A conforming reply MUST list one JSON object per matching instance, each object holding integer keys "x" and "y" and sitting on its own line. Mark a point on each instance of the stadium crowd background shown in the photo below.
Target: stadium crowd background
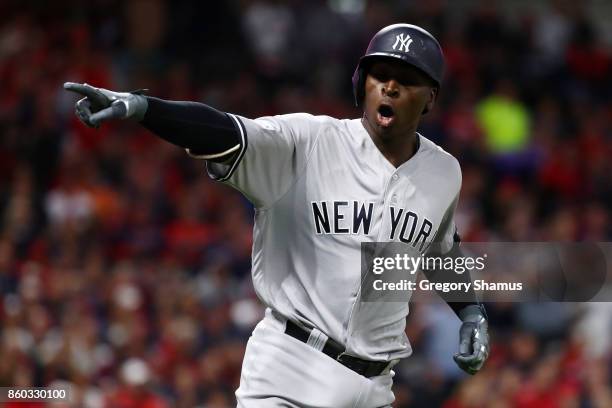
{"x": 125, "y": 271}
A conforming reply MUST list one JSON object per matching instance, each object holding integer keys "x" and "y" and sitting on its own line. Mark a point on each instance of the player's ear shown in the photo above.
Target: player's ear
{"x": 433, "y": 95}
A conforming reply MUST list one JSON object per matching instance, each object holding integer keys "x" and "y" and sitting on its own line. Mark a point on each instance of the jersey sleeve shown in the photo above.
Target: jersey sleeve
{"x": 274, "y": 151}
{"x": 447, "y": 235}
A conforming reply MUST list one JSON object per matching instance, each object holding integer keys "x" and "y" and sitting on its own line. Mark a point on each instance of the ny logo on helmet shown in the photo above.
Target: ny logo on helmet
{"x": 403, "y": 42}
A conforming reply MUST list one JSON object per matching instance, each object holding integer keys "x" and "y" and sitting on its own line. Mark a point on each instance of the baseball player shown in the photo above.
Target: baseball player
{"x": 321, "y": 186}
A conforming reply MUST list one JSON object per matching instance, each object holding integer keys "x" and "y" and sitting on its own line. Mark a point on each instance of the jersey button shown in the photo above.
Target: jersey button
{"x": 395, "y": 177}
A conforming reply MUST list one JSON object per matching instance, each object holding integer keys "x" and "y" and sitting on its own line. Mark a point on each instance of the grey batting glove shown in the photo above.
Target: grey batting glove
{"x": 473, "y": 339}
{"x": 99, "y": 105}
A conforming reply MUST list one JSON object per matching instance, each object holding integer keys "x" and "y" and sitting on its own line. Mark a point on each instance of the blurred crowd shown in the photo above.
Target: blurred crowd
{"x": 125, "y": 271}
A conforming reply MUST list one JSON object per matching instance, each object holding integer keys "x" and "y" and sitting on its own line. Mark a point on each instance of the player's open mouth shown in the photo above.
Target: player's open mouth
{"x": 385, "y": 115}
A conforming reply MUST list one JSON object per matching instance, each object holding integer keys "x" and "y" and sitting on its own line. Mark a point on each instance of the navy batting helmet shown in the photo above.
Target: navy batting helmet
{"x": 408, "y": 43}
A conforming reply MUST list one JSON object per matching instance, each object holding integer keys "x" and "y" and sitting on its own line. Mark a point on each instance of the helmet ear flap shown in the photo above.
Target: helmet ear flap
{"x": 359, "y": 79}
{"x": 361, "y": 85}
{"x": 358, "y": 83}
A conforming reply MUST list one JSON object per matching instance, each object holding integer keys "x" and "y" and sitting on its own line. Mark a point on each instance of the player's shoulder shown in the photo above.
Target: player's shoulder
{"x": 299, "y": 121}
{"x": 304, "y": 117}
{"x": 439, "y": 160}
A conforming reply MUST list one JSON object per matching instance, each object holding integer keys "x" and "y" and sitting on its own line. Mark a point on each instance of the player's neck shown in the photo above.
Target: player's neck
{"x": 395, "y": 146}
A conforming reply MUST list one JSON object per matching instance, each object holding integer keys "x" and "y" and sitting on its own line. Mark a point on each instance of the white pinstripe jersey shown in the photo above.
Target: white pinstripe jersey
{"x": 320, "y": 187}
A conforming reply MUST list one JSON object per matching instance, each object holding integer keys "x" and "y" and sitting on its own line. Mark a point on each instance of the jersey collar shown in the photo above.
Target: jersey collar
{"x": 363, "y": 138}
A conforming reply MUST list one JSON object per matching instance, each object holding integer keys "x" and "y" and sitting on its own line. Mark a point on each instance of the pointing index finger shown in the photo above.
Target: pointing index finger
{"x": 83, "y": 89}
{"x": 98, "y": 99}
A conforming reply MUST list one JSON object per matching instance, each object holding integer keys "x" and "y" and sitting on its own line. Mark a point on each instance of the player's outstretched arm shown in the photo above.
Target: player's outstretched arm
{"x": 205, "y": 132}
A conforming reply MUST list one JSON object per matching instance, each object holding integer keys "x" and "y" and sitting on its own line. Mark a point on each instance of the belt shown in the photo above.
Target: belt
{"x": 334, "y": 350}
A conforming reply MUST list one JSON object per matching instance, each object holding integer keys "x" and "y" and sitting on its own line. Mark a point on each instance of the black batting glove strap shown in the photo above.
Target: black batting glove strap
{"x": 473, "y": 339}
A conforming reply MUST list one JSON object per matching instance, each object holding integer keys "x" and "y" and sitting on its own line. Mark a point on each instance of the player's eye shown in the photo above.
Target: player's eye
{"x": 380, "y": 75}
{"x": 407, "y": 81}
{"x": 385, "y": 75}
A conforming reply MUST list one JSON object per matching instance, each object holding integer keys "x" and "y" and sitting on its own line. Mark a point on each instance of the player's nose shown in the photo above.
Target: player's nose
{"x": 390, "y": 88}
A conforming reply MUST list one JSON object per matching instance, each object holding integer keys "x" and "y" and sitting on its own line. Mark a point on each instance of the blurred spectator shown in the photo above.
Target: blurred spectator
{"x": 135, "y": 376}
{"x": 504, "y": 120}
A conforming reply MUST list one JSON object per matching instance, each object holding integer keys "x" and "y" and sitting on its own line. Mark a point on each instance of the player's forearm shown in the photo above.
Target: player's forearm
{"x": 464, "y": 280}
{"x": 194, "y": 126}
{"x": 468, "y": 299}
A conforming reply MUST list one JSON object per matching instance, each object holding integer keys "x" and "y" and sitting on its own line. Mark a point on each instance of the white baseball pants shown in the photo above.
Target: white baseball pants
{"x": 280, "y": 371}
